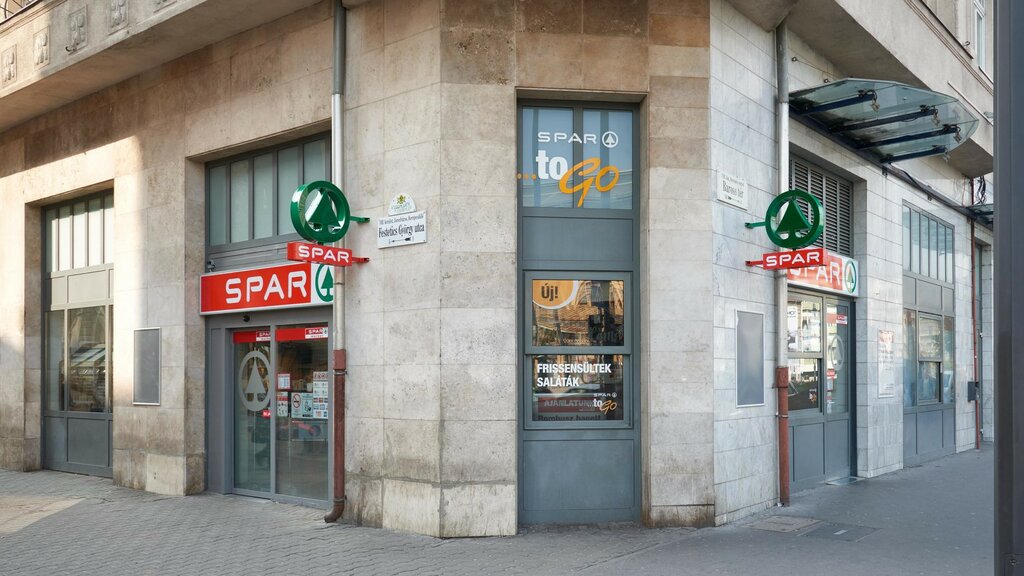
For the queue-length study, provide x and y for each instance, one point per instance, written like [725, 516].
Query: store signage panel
[786, 223]
[791, 259]
[838, 274]
[306, 252]
[271, 287]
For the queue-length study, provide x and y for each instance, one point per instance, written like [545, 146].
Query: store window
[928, 246]
[249, 196]
[836, 197]
[576, 156]
[928, 359]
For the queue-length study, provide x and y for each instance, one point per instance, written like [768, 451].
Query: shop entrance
[578, 248]
[821, 384]
[275, 395]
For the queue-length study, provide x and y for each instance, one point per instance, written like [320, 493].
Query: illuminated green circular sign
[792, 229]
[327, 220]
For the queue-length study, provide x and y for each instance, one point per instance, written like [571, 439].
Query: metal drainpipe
[781, 288]
[974, 326]
[340, 363]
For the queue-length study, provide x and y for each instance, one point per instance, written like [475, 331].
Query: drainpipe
[340, 363]
[974, 328]
[781, 288]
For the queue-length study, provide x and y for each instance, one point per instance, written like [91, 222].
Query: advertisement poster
[284, 381]
[886, 364]
[282, 404]
[320, 389]
[302, 405]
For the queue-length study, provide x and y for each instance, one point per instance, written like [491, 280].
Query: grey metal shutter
[835, 196]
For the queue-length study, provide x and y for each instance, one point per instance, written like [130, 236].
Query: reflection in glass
[803, 319]
[263, 196]
[928, 385]
[837, 367]
[87, 359]
[906, 238]
[577, 387]
[909, 358]
[301, 393]
[54, 376]
[804, 376]
[915, 242]
[240, 201]
[578, 313]
[930, 338]
[253, 393]
[545, 156]
[218, 205]
[608, 138]
[314, 161]
[287, 182]
[948, 363]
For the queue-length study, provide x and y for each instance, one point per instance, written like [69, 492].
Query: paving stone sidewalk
[933, 519]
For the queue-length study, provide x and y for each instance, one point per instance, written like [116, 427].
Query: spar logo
[582, 177]
[850, 277]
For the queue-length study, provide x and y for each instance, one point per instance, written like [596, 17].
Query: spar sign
[320, 214]
[837, 274]
[267, 288]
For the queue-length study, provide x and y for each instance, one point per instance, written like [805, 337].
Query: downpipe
[781, 287]
[338, 309]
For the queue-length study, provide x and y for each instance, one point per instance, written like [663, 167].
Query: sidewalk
[933, 519]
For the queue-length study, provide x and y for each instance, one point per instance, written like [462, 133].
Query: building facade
[574, 333]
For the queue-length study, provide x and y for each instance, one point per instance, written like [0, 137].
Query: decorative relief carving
[118, 14]
[8, 65]
[41, 47]
[77, 30]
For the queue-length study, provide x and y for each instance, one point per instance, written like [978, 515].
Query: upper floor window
[249, 195]
[80, 234]
[836, 197]
[928, 246]
[576, 156]
[980, 40]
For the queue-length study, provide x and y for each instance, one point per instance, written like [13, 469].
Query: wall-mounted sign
[732, 190]
[402, 229]
[786, 224]
[837, 274]
[792, 259]
[285, 286]
[306, 252]
[401, 204]
[886, 364]
[320, 212]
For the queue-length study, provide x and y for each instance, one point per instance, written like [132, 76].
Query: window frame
[276, 237]
[831, 220]
[945, 237]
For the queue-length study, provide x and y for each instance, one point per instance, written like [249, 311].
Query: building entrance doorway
[274, 392]
[821, 384]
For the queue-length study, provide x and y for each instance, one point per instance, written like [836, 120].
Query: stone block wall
[147, 138]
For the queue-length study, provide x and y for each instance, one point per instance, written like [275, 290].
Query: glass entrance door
[820, 384]
[281, 411]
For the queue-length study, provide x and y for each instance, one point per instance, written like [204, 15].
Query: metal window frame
[277, 235]
[945, 228]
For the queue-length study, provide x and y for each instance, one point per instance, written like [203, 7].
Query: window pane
[54, 376]
[804, 380]
[928, 388]
[950, 251]
[577, 387]
[837, 366]
[240, 201]
[915, 242]
[217, 223]
[287, 182]
[252, 380]
[263, 196]
[51, 240]
[578, 313]
[909, 358]
[940, 243]
[930, 338]
[95, 231]
[906, 238]
[108, 229]
[80, 235]
[948, 361]
[64, 237]
[933, 245]
[804, 325]
[87, 359]
[545, 156]
[314, 161]
[606, 177]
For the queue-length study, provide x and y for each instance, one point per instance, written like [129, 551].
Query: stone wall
[147, 138]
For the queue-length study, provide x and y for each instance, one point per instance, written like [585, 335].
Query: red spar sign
[290, 285]
[791, 259]
[306, 252]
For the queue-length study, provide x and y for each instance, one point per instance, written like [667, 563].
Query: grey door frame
[810, 416]
[630, 270]
[220, 440]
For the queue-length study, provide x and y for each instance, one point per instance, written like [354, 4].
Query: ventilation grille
[835, 197]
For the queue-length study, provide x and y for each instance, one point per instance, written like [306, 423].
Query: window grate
[836, 198]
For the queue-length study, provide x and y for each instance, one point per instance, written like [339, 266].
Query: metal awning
[888, 120]
[984, 213]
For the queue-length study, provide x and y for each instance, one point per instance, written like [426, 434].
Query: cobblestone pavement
[934, 519]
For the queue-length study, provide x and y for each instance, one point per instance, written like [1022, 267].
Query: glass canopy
[889, 120]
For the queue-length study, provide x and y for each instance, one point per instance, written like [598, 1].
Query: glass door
[281, 411]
